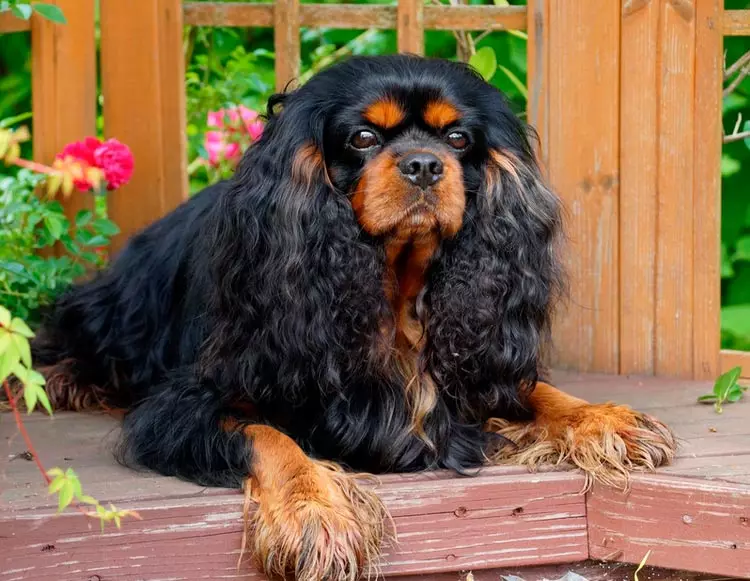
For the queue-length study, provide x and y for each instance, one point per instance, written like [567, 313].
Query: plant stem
[24, 433]
[34, 166]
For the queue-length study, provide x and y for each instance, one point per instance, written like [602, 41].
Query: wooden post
[584, 97]
[707, 201]
[676, 195]
[144, 105]
[537, 25]
[64, 85]
[638, 184]
[410, 26]
[286, 41]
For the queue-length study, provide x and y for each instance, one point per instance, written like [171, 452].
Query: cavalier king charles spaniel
[372, 291]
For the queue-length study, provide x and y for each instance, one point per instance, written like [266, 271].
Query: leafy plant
[24, 10]
[726, 390]
[15, 369]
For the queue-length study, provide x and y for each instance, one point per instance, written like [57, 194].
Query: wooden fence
[626, 97]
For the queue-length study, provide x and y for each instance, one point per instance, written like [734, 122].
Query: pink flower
[113, 158]
[83, 151]
[219, 148]
[116, 161]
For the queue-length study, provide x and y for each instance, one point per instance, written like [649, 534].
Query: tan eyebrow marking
[385, 113]
[438, 114]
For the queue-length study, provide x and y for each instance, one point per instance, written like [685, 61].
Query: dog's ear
[297, 293]
[495, 286]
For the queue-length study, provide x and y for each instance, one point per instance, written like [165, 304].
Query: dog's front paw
[606, 441]
[320, 526]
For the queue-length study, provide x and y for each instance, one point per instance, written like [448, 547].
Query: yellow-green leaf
[30, 397]
[484, 61]
[44, 400]
[56, 484]
[86, 499]
[54, 472]
[66, 496]
[20, 327]
[24, 349]
[4, 317]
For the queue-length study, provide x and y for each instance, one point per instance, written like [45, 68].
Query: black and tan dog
[372, 290]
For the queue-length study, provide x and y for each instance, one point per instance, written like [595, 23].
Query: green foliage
[31, 224]
[726, 389]
[24, 10]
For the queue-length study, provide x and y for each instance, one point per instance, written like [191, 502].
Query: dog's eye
[458, 140]
[364, 139]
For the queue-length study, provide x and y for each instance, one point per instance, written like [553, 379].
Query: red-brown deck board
[693, 515]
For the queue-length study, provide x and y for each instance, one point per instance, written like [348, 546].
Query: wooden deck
[693, 516]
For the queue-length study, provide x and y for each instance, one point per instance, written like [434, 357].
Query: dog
[372, 291]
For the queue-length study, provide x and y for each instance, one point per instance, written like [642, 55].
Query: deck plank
[446, 524]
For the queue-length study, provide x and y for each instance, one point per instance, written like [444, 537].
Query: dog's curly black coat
[262, 298]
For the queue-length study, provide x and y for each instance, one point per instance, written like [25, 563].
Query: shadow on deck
[692, 516]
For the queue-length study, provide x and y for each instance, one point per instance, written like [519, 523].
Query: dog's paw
[319, 526]
[606, 441]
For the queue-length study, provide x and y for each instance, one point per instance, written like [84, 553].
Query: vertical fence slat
[707, 206]
[674, 279]
[64, 84]
[410, 26]
[173, 107]
[286, 41]
[638, 183]
[584, 159]
[537, 18]
[132, 107]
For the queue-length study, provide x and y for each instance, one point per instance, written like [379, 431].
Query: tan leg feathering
[606, 441]
[313, 520]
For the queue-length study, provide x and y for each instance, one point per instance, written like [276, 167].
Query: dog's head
[407, 140]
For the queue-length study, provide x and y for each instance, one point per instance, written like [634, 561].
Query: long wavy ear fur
[297, 295]
[493, 291]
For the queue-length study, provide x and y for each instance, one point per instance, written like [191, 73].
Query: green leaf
[735, 319]
[708, 398]
[22, 11]
[729, 166]
[54, 472]
[89, 500]
[30, 395]
[57, 483]
[746, 127]
[742, 249]
[50, 11]
[83, 217]
[55, 224]
[727, 270]
[24, 349]
[485, 62]
[726, 381]
[735, 393]
[98, 240]
[19, 327]
[66, 496]
[44, 400]
[516, 81]
[9, 357]
[106, 227]
[4, 317]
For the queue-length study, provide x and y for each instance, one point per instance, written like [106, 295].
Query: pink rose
[219, 148]
[83, 151]
[116, 161]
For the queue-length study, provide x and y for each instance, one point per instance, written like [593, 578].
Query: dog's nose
[422, 169]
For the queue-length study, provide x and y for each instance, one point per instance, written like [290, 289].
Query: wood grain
[172, 98]
[286, 41]
[64, 85]
[410, 26]
[736, 23]
[144, 107]
[731, 359]
[674, 276]
[694, 525]
[707, 146]
[638, 184]
[584, 138]
[446, 523]
[537, 59]
[353, 16]
[9, 23]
